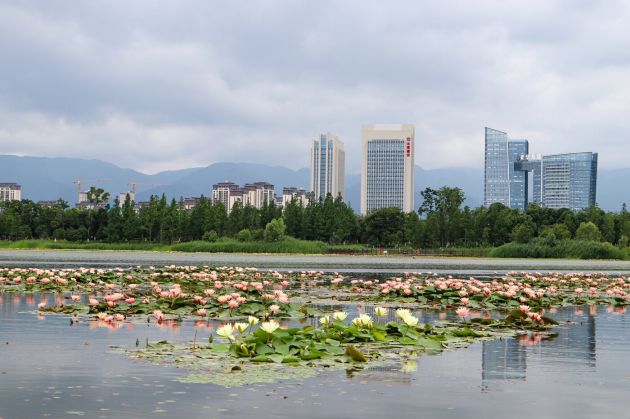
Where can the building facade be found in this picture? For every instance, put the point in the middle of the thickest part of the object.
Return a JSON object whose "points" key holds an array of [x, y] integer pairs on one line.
{"points": [[327, 166], [288, 193], [254, 194], [10, 192], [502, 182], [226, 192], [387, 165], [569, 180]]}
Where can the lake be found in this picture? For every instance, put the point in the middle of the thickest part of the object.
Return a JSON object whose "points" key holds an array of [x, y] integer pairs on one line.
{"points": [[52, 368]]}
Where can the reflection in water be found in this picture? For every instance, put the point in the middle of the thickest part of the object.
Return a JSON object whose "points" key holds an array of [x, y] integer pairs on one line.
{"points": [[574, 344], [78, 375], [503, 359]]}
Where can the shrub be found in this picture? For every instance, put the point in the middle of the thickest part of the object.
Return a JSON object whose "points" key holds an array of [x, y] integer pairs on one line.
{"points": [[211, 236], [244, 235], [274, 230], [588, 232]]}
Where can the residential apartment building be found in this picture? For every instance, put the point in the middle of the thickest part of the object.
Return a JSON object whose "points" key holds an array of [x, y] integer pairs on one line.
{"points": [[254, 194], [10, 192], [289, 193], [327, 166], [387, 165]]}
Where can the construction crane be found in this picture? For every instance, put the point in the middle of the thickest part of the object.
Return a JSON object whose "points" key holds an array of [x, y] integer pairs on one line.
{"points": [[133, 185], [80, 182]]}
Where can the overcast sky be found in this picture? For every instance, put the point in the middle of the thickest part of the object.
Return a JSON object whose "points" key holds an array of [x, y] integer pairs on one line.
{"points": [[156, 85]]}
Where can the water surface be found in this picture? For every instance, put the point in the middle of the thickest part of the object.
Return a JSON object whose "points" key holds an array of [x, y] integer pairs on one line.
{"points": [[50, 368]]}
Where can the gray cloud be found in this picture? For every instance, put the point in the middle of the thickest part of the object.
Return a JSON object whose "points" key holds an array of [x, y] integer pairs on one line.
{"points": [[163, 85]]}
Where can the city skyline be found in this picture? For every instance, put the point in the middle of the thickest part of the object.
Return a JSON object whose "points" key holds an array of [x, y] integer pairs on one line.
{"points": [[170, 89]]}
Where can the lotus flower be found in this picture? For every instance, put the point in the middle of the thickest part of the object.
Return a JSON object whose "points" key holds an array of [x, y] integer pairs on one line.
{"points": [[269, 326], [226, 331], [363, 320], [380, 311], [340, 315]]}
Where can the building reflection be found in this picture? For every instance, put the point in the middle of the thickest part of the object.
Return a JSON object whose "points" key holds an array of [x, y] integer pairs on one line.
{"points": [[573, 345]]}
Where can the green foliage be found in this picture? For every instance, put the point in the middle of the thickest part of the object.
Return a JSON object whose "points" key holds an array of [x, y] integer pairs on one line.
{"points": [[274, 230], [523, 233], [244, 235], [211, 236], [574, 249], [588, 231]]}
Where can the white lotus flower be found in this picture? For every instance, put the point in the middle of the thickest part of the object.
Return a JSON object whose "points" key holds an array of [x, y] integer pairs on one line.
{"points": [[340, 315], [380, 311], [269, 326], [252, 320], [410, 320], [402, 312], [241, 327], [226, 331], [364, 320]]}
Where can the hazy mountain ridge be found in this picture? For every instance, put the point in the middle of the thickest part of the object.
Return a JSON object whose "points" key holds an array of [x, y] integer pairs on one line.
{"points": [[44, 178]]}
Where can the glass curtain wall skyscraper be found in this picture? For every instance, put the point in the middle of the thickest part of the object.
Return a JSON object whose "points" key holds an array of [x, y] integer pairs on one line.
{"points": [[569, 180], [387, 165], [327, 166], [502, 182]]}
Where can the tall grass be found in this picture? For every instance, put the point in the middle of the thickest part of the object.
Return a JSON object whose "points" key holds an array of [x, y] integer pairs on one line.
{"points": [[225, 245], [60, 245], [573, 249]]}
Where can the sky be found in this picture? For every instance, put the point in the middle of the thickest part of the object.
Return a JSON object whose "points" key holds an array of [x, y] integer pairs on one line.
{"points": [[162, 85]]}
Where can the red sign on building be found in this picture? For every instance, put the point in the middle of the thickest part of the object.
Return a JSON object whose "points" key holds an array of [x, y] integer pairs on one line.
{"points": [[408, 146]]}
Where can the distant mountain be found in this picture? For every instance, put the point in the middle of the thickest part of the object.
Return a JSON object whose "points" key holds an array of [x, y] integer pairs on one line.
{"points": [[45, 178], [200, 181], [52, 178]]}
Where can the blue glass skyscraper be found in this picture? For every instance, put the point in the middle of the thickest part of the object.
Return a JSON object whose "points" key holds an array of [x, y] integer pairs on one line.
{"points": [[502, 182], [569, 180]]}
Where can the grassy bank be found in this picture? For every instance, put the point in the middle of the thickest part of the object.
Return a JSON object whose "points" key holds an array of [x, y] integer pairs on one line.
{"points": [[563, 249], [224, 245]]}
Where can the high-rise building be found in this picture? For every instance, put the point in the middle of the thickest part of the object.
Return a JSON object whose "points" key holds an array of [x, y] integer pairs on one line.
{"points": [[327, 166], [225, 192], [387, 166], [569, 180], [532, 163], [10, 192], [502, 183], [289, 193]]}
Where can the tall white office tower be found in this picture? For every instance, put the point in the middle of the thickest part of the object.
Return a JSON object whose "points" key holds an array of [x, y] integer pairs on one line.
{"points": [[327, 166], [387, 165]]}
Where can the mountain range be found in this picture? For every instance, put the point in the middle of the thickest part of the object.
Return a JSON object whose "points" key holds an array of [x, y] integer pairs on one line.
{"points": [[44, 178]]}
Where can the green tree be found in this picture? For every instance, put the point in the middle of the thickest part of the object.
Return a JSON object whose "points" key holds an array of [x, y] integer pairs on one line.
{"points": [[588, 231], [274, 230]]}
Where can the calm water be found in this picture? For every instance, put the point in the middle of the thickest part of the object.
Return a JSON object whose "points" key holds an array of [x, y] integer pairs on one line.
{"points": [[49, 368], [362, 264]]}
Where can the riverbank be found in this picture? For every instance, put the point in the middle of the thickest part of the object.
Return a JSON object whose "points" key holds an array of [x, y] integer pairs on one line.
{"points": [[288, 245], [329, 263]]}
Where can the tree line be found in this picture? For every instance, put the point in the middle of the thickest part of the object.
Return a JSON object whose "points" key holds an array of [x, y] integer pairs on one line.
{"points": [[441, 221]]}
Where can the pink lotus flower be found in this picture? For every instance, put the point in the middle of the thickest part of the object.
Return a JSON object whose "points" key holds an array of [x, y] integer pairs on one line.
{"points": [[524, 308], [233, 304], [464, 301], [274, 309], [159, 316], [119, 317], [75, 298], [201, 312], [41, 306], [130, 300], [463, 312]]}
